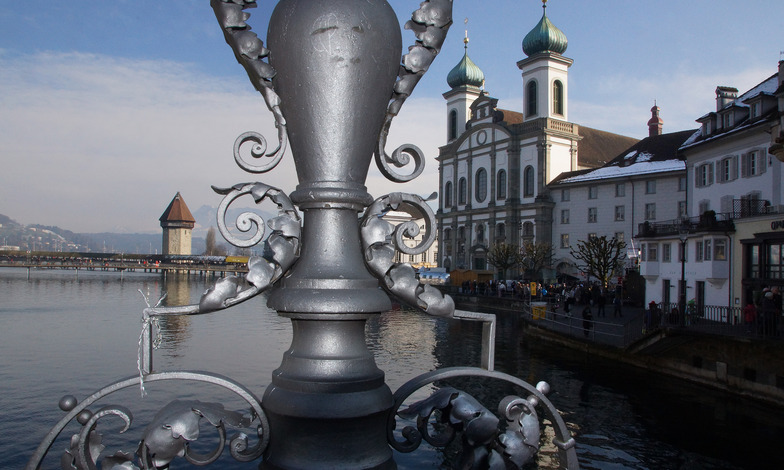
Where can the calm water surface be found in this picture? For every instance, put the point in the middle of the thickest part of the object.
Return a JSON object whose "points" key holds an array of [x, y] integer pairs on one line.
{"points": [[65, 333]]}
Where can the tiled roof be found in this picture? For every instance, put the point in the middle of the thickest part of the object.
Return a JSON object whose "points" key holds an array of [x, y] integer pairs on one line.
{"points": [[595, 147], [177, 211]]}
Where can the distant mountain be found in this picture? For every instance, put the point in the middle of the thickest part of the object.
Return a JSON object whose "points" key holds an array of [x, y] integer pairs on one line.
{"points": [[37, 237]]}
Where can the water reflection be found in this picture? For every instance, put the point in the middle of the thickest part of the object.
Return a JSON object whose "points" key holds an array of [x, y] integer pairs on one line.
{"points": [[62, 334]]}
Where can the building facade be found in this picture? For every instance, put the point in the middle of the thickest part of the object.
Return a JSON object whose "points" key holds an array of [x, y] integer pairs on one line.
{"points": [[731, 242], [495, 169]]}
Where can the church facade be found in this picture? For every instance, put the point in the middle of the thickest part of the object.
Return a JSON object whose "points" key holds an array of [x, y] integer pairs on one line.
{"points": [[495, 169]]}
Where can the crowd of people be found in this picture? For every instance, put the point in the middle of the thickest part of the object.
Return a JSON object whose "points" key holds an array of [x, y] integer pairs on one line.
{"points": [[763, 314]]}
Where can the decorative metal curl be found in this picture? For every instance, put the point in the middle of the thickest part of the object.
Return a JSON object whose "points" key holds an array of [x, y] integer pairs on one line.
{"points": [[484, 444], [283, 244], [379, 241], [249, 51], [257, 150], [167, 435], [430, 24]]}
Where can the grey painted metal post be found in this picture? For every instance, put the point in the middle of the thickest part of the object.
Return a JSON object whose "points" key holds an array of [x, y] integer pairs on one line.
{"points": [[336, 63]]}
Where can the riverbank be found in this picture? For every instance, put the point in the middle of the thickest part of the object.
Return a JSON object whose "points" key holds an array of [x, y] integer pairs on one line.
{"points": [[744, 366]]}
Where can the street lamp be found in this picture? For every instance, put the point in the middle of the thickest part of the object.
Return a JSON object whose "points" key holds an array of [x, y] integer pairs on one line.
{"points": [[683, 234]]}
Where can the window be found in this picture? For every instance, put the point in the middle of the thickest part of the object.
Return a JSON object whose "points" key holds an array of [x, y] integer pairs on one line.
{"points": [[644, 252], [752, 164], [564, 240], [666, 252], [728, 169], [619, 236], [593, 192], [698, 250], [565, 195], [452, 124], [650, 211], [755, 110], [704, 206], [531, 95], [653, 251], [480, 233], [726, 120], [708, 253], [565, 216], [500, 231], [528, 182], [501, 185], [461, 191], [592, 215], [528, 229], [650, 187], [461, 232], [682, 183], [774, 268], [620, 213], [720, 250], [448, 194], [447, 234], [681, 208], [481, 185], [620, 189], [704, 175], [558, 97]]}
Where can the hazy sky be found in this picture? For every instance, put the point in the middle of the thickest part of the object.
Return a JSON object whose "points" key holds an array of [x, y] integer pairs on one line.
{"points": [[108, 108]]}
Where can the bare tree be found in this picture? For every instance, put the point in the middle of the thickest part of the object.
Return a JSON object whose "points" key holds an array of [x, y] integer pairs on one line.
{"points": [[534, 256], [212, 248], [503, 256], [600, 257]]}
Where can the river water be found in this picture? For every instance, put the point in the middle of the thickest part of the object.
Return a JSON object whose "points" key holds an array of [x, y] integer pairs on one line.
{"points": [[68, 333]]}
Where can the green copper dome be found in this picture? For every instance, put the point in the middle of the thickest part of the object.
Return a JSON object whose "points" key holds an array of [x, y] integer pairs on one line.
{"points": [[465, 73], [544, 37]]}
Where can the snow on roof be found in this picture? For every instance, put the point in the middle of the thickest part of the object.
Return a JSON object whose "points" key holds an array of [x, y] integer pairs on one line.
{"points": [[639, 168]]}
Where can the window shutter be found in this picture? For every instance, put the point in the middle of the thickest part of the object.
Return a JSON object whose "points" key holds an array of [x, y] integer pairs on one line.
{"points": [[734, 167], [697, 172], [762, 163], [726, 203], [710, 174], [744, 165]]}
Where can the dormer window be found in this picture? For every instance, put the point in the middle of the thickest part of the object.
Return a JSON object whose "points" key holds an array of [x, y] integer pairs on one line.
{"points": [[755, 109], [726, 120]]}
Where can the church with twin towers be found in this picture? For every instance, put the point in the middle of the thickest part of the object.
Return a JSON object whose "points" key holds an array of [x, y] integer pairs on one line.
{"points": [[504, 175]]}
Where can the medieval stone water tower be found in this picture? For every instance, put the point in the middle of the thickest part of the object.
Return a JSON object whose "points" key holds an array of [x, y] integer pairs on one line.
{"points": [[177, 223]]}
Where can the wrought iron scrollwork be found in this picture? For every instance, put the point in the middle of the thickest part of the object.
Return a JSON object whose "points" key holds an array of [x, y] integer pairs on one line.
{"points": [[249, 51], [167, 436], [430, 24], [486, 444], [380, 239]]}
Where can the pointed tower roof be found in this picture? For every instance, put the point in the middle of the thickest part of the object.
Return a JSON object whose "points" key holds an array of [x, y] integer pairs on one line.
{"points": [[466, 72], [177, 214], [545, 37]]}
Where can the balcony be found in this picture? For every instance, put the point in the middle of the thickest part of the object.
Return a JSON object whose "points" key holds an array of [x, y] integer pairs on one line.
{"points": [[744, 207], [708, 222]]}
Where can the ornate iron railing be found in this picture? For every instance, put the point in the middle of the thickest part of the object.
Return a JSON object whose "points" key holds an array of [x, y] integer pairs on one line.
{"points": [[333, 79]]}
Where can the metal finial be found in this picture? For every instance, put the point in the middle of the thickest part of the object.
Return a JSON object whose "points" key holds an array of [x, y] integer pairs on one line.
{"points": [[465, 40]]}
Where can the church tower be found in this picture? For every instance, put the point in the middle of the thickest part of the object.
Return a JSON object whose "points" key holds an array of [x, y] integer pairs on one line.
{"points": [[465, 81], [545, 71], [177, 223]]}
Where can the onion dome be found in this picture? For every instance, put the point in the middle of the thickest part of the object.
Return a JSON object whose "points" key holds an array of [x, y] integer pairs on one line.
{"points": [[545, 37], [465, 73]]}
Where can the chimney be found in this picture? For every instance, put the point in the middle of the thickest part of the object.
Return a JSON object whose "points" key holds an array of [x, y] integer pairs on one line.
{"points": [[724, 96], [655, 123]]}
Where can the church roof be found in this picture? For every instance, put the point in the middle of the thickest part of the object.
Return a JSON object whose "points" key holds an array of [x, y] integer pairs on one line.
{"points": [[654, 154], [465, 73], [545, 37], [596, 146], [177, 211]]}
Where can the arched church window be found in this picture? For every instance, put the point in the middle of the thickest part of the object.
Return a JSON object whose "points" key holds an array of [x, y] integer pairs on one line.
{"points": [[452, 125], [500, 231], [461, 191], [501, 185], [530, 110], [481, 185], [558, 97], [448, 194], [528, 181], [480, 233]]}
